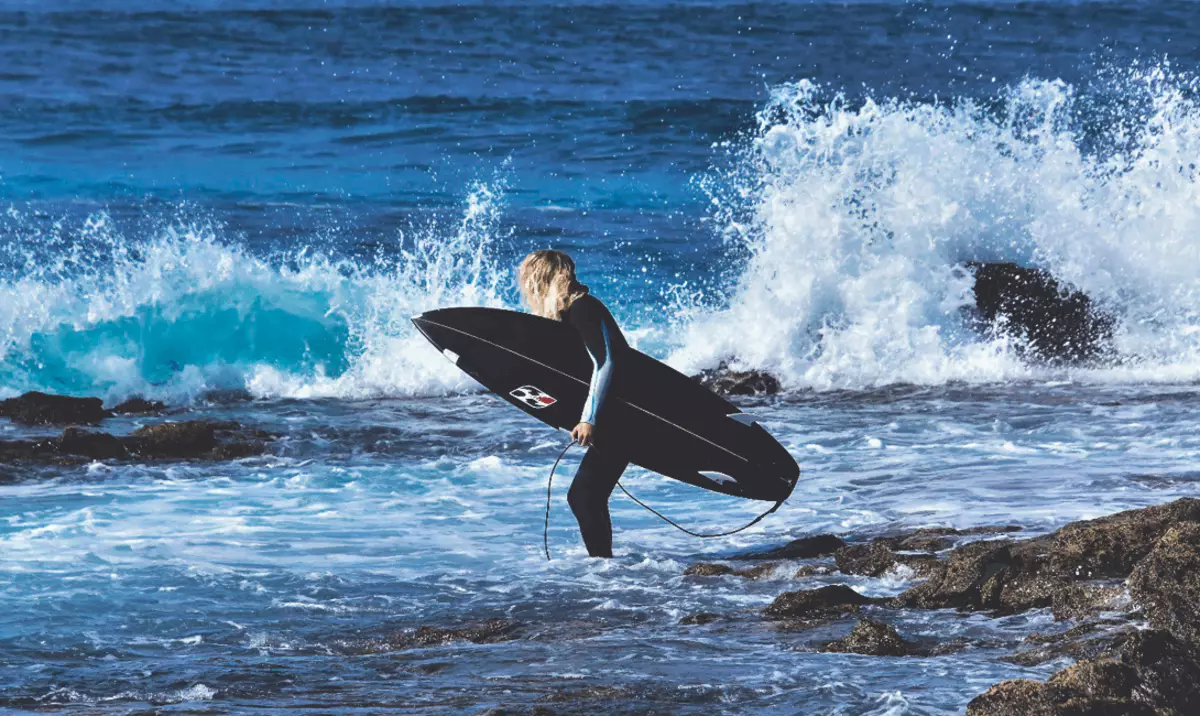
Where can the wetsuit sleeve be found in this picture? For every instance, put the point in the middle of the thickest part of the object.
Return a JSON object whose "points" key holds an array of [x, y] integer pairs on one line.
{"points": [[597, 338]]}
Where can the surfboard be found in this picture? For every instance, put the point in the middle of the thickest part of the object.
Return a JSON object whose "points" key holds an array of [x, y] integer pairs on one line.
{"points": [[654, 415]]}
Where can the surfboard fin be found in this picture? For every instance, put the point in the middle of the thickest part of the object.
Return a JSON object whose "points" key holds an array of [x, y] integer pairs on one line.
{"points": [[744, 418]]}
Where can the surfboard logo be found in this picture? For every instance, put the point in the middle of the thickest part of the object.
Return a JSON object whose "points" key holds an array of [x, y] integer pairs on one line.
{"points": [[534, 397]]}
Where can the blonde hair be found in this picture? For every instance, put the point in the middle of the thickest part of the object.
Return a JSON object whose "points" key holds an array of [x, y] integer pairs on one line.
{"points": [[548, 284]]}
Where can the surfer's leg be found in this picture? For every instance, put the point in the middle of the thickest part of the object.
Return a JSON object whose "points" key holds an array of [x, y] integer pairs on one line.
{"points": [[588, 497]]}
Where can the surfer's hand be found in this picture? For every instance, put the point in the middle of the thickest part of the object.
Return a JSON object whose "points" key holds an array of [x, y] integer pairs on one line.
{"points": [[582, 434]]}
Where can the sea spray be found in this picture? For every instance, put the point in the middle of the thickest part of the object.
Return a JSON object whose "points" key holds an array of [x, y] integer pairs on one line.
{"points": [[184, 311], [855, 222]]}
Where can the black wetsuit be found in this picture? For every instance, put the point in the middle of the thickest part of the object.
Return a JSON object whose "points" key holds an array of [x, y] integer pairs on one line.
{"points": [[601, 467]]}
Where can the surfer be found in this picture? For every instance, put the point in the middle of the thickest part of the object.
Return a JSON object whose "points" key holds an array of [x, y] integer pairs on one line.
{"points": [[551, 290]]}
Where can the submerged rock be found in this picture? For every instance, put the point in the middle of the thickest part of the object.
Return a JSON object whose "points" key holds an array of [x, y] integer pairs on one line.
{"points": [[139, 406], [490, 632], [1052, 322], [713, 569], [872, 638], [196, 439], [824, 601], [724, 381], [699, 619], [43, 409], [803, 548], [191, 438]]}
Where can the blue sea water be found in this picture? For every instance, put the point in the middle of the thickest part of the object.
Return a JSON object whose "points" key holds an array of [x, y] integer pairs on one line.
{"points": [[256, 195]]}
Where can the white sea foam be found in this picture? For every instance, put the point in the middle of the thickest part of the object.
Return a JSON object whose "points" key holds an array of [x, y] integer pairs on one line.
{"points": [[857, 219]]}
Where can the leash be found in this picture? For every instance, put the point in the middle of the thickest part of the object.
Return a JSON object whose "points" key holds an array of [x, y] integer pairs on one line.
{"points": [[648, 508]]}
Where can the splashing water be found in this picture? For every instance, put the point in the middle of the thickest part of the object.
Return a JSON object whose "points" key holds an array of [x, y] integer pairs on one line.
{"points": [[857, 223], [184, 312]]}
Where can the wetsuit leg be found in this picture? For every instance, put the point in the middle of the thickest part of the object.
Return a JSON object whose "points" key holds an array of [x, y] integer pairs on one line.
{"points": [[593, 484]]}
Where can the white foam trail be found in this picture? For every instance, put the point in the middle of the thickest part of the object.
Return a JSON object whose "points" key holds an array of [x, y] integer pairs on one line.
{"points": [[857, 219]]}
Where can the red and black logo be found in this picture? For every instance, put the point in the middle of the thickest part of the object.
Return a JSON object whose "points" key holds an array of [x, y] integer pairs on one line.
{"points": [[533, 397]]}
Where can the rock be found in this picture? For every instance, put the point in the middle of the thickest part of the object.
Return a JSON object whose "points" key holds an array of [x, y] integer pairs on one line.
{"points": [[724, 381], [812, 570], [43, 409], [226, 396], [491, 632], [712, 569], [699, 619], [1052, 322], [936, 539], [1167, 583], [875, 559], [1083, 641], [97, 446], [960, 580], [1111, 546], [872, 638], [707, 569], [192, 438], [1151, 672], [139, 406], [804, 603], [803, 548]]}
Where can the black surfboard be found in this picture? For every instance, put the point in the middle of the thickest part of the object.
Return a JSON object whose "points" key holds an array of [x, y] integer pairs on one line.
{"points": [[656, 416]]}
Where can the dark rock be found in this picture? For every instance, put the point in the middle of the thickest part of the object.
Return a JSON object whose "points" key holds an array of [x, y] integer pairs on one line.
{"points": [[875, 559], [832, 599], [42, 409], [699, 619], [491, 632], [1083, 641], [713, 569], [961, 579], [97, 446], [1051, 322], [803, 548], [812, 570], [1111, 546], [1167, 583], [1151, 672], [936, 539], [707, 569], [139, 406], [872, 638], [192, 438], [758, 571], [723, 381], [226, 396]]}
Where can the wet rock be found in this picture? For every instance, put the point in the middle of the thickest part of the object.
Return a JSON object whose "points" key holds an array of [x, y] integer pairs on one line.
{"points": [[876, 559], [724, 381], [812, 570], [139, 406], [94, 445], [490, 632], [1167, 583], [713, 569], [960, 580], [1089, 640], [1151, 672], [936, 539], [43, 409], [1111, 546], [192, 438], [1051, 322], [803, 548], [226, 396], [824, 601], [517, 711], [872, 638], [699, 619], [707, 569]]}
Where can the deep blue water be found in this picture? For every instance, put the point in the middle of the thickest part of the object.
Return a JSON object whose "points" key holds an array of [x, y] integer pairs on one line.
{"points": [[257, 195]]}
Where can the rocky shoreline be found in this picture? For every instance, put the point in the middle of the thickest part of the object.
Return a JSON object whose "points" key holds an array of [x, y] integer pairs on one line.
{"points": [[167, 440]]}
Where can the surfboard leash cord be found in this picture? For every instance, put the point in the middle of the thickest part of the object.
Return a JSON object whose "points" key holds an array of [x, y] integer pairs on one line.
{"points": [[648, 508]]}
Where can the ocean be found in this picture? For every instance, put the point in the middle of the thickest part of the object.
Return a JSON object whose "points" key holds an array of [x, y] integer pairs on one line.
{"points": [[235, 206]]}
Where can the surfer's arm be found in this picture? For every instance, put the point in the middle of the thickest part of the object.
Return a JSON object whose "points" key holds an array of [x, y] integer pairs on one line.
{"points": [[597, 339]]}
